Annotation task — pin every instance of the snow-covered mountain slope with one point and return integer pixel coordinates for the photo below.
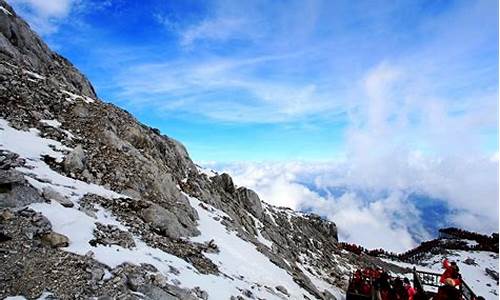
(243, 269)
(94, 204)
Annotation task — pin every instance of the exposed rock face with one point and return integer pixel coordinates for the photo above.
(225, 182)
(105, 147)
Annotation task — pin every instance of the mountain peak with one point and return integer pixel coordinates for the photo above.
(23, 47)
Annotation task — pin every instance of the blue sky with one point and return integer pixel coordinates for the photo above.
(390, 98)
(271, 81)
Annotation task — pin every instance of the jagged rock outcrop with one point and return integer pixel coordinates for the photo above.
(250, 201)
(225, 182)
(98, 147)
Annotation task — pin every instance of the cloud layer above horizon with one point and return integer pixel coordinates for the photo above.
(346, 108)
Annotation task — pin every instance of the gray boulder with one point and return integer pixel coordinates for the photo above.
(15, 191)
(55, 240)
(166, 222)
(250, 201)
(75, 161)
(225, 182)
(50, 194)
(11, 176)
(169, 292)
(282, 290)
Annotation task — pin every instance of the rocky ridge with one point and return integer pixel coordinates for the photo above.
(67, 155)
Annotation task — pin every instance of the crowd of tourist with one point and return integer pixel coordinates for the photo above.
(368, 281)
(379, 284)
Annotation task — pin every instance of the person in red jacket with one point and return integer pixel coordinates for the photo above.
(409, 289)
(366, 288)
(450, 271)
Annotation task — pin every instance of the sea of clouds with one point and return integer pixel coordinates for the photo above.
(412, 164)
(385, 208)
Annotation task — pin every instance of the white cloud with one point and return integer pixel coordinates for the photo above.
(44, 15)
(411, 140)
(275, 183)
(401, 140)
(216, 29)
(376, 210)
(229, 89)
(382, 222)
(53, 8)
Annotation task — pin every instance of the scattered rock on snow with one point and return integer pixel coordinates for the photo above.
(470, 261)
(492, 273)
(112, 235)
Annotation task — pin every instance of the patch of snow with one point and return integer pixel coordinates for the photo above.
(408, 265)
(260, 237)
(28, 144)
(107, 275)
(45, 295)
(56, 124)
(471, 243)
(239, 259)
(53, 123)
(33, 74)
(208, 172)
(5, 11)
(73, 97)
